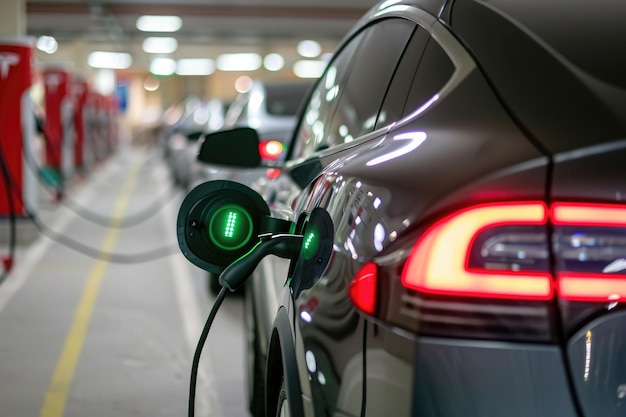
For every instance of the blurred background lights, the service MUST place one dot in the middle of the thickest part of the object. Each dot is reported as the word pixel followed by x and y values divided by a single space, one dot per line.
pixel 243 84
pixel 149 23
pixel 309 68
pixel 159 45
pixel 47 44
pixel 309 49
pixel 273 62
pixel 239 62
pixel 162 66
pixel 195 66
pixel 104 81
pixel 151 83
pixel 112 60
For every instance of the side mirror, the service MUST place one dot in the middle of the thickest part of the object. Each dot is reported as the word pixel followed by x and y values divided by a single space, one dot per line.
pixel 237 147
pixel 219 221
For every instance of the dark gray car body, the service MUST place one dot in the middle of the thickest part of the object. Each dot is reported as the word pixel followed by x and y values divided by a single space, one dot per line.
pixel 474 102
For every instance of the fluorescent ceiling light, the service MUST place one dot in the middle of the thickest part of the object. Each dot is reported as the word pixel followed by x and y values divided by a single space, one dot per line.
pixel 112 60
pixel 309 49
pixel 150 23
pixel 162 66
pixel 199 66
pixel 159 45
pixel 309 68
pixel 47 44
pixel 239 62
pixel 273 62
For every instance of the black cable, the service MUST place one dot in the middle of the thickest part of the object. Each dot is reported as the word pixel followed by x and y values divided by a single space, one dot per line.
pixel 96 218
pixel 80 247
pixel 146 256
pixel 196 357
pixel 6 267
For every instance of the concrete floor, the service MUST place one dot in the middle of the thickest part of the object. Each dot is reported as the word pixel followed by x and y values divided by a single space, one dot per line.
pixel 103 319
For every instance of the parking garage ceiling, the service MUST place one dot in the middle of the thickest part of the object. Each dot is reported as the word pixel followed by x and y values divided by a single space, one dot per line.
pixel 208 25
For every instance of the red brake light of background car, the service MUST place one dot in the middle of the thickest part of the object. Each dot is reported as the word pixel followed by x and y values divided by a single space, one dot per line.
pixel 438 261
pixel 609 242
pixel 270 149
pixel 272 173
pixel 363 288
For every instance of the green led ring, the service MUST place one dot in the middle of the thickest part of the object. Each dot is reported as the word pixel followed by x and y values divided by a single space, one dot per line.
pixel 230 227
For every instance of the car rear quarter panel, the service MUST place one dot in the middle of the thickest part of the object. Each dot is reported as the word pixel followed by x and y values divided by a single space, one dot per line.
pixel 471 152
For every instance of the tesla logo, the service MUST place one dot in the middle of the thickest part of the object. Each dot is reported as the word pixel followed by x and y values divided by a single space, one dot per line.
pixel 53 81
pixel 6 60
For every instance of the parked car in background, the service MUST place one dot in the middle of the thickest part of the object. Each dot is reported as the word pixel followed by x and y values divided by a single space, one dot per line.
pixel 197 117
pixel 271 108
pixel 456 188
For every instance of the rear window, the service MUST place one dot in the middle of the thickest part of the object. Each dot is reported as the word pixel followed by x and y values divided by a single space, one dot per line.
pixel 285 99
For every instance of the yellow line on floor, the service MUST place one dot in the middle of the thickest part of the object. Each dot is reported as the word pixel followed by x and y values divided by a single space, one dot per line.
pixel 56 395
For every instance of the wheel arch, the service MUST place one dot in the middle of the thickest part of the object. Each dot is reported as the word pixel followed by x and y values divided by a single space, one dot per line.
pixel 281 362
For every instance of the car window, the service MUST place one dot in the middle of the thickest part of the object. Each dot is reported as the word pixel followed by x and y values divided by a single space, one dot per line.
pixel 237 110
pixel 395 100
pixel 346 102
pixel 284 99
pixel 434 71
pixel 372 71
pixel 321 104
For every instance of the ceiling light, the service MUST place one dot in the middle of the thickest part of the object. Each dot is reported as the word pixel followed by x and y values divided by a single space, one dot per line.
pixel 309 49
pixel 151 83
pixel 112 60
pixel 47 44
pixel 159 45
pixel 162 66
pixel 309 69
pixel 104 81
pixel 199 66
pixel 243 84
pixel 159 23
pixel 239 62
pixel 273 62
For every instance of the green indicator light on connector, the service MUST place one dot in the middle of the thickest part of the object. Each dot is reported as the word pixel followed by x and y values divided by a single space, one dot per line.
pixel 310 245
pixel 230 227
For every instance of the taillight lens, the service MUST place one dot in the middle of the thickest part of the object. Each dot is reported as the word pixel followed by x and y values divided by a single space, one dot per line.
pixel 590 251
pixel 491 270
pixel 444 260
pixel 363 288
pixel 272 173
pixel 271 149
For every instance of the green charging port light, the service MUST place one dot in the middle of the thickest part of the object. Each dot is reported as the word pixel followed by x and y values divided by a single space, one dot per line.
pixel 230 228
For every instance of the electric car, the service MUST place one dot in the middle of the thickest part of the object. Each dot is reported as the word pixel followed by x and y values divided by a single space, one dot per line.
pixel 271 108
pixel 450 236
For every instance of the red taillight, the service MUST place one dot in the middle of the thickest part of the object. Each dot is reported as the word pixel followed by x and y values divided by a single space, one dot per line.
pixel 590 251
pixel 272 173
pixel 504 251
pixel 362 290
pixel 438 263
pixel 271 149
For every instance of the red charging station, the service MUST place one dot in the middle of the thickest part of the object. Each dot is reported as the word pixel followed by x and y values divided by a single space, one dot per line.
pixel 82 148
pixel 17 120
pixel 59 127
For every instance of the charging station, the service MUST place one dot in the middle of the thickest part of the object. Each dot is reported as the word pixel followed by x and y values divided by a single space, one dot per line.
pixel 83 151
pixel 59 127
pixel 17 131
